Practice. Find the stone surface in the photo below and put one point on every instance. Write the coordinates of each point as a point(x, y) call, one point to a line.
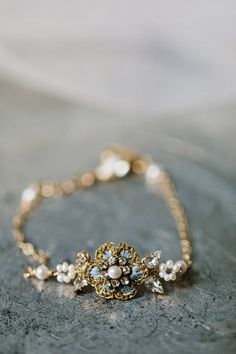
point(45, 138)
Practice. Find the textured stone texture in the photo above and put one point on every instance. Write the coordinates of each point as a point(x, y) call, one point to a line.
point(42, 138)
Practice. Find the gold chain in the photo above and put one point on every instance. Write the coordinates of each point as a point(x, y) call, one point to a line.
point(37, 192)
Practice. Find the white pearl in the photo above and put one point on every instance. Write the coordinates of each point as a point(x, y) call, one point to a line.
point(169, 264)
point(182, 265)
point(121, 168)
point(176, 267)
point(41, 272)
point(114, 272)
point(28, 195)
point(162, 267)
point(172, 276)
point(71, 268)
point(60, 278)
point(152, 173)
point(162, 274)
point(167, 277)
point(71, 275)
point(66, 279)
point(59, 268)
point(65, 266)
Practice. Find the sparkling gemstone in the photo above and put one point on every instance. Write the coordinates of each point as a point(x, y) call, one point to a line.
point(80, 283)
point(81, 261)
point(126, 254)
point(114, 272)
point(136, 273)
point(112, 260)
point(95, 273)
point(152, 261)
point(153, 283)
point(104, 265)
point(126, 289)
point(124, 280)
point(126, 270)
point(115, 283)
point(106, 287)
point(122, 261)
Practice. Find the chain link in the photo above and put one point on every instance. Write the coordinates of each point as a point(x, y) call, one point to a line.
point(37, 192)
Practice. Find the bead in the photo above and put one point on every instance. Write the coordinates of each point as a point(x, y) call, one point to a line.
point(41, 272)
point(162, 274)
point(114, 272)
point(59, 268)
point(152, 173)
point(169, 264)
point(66, 279)
point(183, 266)
point(28, 195)
point(121, 168)
point(176, 267)
point(167, 277)
point(162, 267)
point(71, 268)
point(65, 266)
point(60, 278)
point(153, 283)
point(172, 276)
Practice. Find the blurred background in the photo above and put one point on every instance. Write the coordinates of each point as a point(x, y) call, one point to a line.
point(159, 76)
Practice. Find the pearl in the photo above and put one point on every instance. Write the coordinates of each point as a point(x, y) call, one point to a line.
point(28, 195)
point(59, 268)
point(162, 274)
point(163, 267)
point(182, 265)
point(60, 278)
point(65, 266)
point(114, 272)
point(121, 168)
point(41, 272)
point(172, 276)
point(169, 264)
point(176, 267)
point(167, 277)
point(152, 173)
point(71, 268)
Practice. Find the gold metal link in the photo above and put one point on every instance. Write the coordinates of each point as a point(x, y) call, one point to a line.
point(48, 189)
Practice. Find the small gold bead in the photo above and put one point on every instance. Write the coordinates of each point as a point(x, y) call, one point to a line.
point(87, 179)
point(139, 167)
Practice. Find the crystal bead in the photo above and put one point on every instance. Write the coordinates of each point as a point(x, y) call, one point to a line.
point(152, 261)
point(81, 261)
point(126, 270)
point(124, 281)
point(80, 283)
point(153, 283)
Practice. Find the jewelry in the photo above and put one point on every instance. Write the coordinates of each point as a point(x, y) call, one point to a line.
point(116, 271)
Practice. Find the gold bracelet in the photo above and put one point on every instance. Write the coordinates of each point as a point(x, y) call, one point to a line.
point(116, 271)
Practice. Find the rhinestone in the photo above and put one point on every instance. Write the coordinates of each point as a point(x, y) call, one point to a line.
point(115, 283)
point(81, 261)
point(112, 260)
point(104, 265)
point(126, 270)
point(124, 280)
point(153, 283)
point(80, 283)
point(122, 261)
point(152, 261)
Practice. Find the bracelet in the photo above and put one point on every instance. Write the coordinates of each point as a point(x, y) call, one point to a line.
point(116, 271)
